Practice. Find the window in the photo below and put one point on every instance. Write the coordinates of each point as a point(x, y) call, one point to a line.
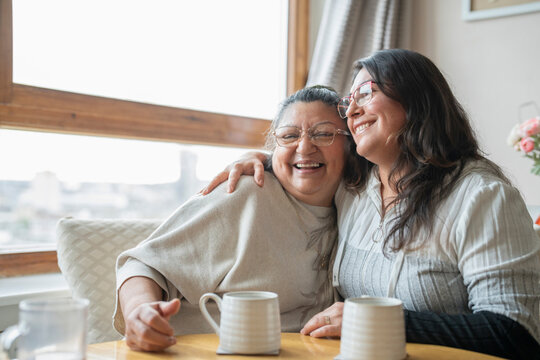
point(184, 54)
point(28, 104)
point(58, 175)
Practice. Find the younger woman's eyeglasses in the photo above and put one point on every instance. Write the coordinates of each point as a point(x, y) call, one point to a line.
point(361, 96)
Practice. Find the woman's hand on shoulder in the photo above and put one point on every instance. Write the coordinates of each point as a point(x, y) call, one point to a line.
point(327, 323)
point(251, 163)
point(148, 328)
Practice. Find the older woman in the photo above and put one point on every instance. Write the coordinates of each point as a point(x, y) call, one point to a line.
point(436, 224)
point(253, 239)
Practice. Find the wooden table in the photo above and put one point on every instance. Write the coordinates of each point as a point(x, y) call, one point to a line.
point(293, 346)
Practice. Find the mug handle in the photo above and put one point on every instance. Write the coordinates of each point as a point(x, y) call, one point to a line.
point(8, 341)
point(202, 305)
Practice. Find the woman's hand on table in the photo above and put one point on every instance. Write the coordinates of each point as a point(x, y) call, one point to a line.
point(251, 163)
point(148, 328)
point(327, 323)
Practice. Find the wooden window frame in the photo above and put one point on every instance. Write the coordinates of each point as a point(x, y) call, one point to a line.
point(24, 107)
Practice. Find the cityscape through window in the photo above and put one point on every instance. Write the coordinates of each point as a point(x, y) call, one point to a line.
point(46, 177)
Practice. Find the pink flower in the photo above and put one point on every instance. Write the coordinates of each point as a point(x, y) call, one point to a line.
point(530, 127)
point(514, 136)
point(527, 144)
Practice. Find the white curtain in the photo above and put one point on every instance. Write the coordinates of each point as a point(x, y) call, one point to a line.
point(349, 30)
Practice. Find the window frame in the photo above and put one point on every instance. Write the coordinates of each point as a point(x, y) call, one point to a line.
point(24, 107)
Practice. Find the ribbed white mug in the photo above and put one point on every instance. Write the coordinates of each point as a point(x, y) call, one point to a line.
point(250, 322)
point(373, 328)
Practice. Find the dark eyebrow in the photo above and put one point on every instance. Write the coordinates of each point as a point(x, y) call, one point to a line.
point(323, 122)
point(319, 123)
point(367, 82)
point(373, 81)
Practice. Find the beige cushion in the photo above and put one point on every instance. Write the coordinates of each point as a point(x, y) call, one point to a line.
point(87, 251)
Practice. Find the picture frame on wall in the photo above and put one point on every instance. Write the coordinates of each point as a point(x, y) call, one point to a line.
point(486, 9)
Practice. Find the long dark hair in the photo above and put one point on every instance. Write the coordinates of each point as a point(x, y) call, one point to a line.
point(353, 162)
point(435, 144)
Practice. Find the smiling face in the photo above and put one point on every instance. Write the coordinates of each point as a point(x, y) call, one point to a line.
point(375, 125)
point(310, 173)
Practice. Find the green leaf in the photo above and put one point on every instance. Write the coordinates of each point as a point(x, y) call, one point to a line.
point(536, 169)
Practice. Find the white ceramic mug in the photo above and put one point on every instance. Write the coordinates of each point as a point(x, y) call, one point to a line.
point(250, 322)
point(48, 329)
point(373, 328)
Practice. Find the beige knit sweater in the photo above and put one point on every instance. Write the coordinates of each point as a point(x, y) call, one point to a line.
point(253, 239)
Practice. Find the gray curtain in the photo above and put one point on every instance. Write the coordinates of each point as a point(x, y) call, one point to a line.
point(349, 30)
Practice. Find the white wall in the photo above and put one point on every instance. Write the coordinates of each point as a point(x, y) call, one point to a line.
point(492, 65)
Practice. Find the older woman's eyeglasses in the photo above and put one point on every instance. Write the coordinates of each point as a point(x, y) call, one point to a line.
point(319, 134)
point(361, 96)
